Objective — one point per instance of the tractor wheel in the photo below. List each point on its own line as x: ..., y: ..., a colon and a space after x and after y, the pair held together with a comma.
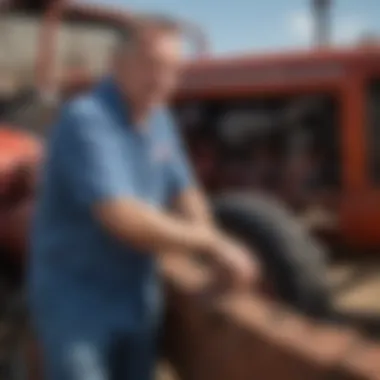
x: 293, y: 262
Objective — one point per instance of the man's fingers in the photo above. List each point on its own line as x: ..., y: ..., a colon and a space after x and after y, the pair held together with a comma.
x: 248, y: 270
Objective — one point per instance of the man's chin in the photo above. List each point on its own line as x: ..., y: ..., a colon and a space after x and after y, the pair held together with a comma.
x: 152, y: 101
x: 155, y: 102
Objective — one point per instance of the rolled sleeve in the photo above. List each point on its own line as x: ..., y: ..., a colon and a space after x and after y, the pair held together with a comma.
x: 91, y: 158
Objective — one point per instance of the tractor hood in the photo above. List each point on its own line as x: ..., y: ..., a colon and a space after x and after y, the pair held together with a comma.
x: 18, y: 150
x: 20, y: 157
x: 17, y: 147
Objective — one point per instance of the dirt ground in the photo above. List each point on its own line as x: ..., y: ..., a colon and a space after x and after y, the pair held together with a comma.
x: 356, y: 290
x: 357, y: 287
x: 165, y: 372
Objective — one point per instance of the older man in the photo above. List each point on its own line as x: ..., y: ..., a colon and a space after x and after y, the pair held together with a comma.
x: 114, y: 165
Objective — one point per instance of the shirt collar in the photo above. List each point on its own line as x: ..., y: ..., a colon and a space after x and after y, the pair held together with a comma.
x: 110, y: 93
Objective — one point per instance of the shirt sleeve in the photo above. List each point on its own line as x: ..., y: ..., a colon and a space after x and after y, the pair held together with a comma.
x: 90, y: 157
x: 181, y: 175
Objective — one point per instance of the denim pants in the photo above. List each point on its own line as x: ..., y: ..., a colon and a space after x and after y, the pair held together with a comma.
x: 89, y: 346
x: 123, y: 357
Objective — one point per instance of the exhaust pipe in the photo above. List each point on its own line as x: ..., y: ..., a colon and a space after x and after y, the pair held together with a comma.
x: 322, y: 22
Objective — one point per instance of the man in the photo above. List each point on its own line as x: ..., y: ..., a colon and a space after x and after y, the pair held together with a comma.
x: 114, y: 165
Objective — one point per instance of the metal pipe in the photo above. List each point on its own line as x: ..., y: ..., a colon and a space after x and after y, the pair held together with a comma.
x: 322, y: 22
x: 44, y: 66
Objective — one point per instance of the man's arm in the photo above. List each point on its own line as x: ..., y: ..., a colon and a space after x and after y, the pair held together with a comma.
x: 149, y: 229
x: 194, y: 206
x: 92, y: 166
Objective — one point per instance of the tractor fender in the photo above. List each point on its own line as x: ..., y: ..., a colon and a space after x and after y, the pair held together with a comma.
x: 292, y: 260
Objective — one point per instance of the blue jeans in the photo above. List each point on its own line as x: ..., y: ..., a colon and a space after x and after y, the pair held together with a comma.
x: 124, y: 357
x: 88, y: 331
x: 88, y: 346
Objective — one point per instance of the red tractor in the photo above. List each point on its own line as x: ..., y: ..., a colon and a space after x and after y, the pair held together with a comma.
x: 274, y: 140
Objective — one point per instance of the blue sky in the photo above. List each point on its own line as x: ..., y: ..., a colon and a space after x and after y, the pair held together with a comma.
x: 257, y: 25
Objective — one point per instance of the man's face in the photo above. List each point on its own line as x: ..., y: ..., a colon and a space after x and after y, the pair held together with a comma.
x: 150, y: 72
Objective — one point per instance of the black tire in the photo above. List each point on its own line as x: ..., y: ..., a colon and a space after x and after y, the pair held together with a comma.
x: 293, y: 261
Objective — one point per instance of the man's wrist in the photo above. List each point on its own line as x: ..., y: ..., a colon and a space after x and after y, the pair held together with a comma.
x: 209, y: 239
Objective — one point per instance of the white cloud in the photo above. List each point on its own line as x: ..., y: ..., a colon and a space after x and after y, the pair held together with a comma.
x: 300, y: 26
x: 345, y: 29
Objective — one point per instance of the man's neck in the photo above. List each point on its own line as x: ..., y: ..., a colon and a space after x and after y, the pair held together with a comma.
x: 138, y: 111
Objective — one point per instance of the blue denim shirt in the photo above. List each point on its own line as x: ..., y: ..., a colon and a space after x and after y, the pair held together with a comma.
x: 77, y: 269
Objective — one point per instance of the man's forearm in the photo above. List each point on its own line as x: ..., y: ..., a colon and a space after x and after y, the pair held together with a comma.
x: 153, y: 230
x: 193, y: 205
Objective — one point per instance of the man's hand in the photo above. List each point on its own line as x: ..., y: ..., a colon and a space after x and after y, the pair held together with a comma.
x: 237, y: 261
x: 233, y: 258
